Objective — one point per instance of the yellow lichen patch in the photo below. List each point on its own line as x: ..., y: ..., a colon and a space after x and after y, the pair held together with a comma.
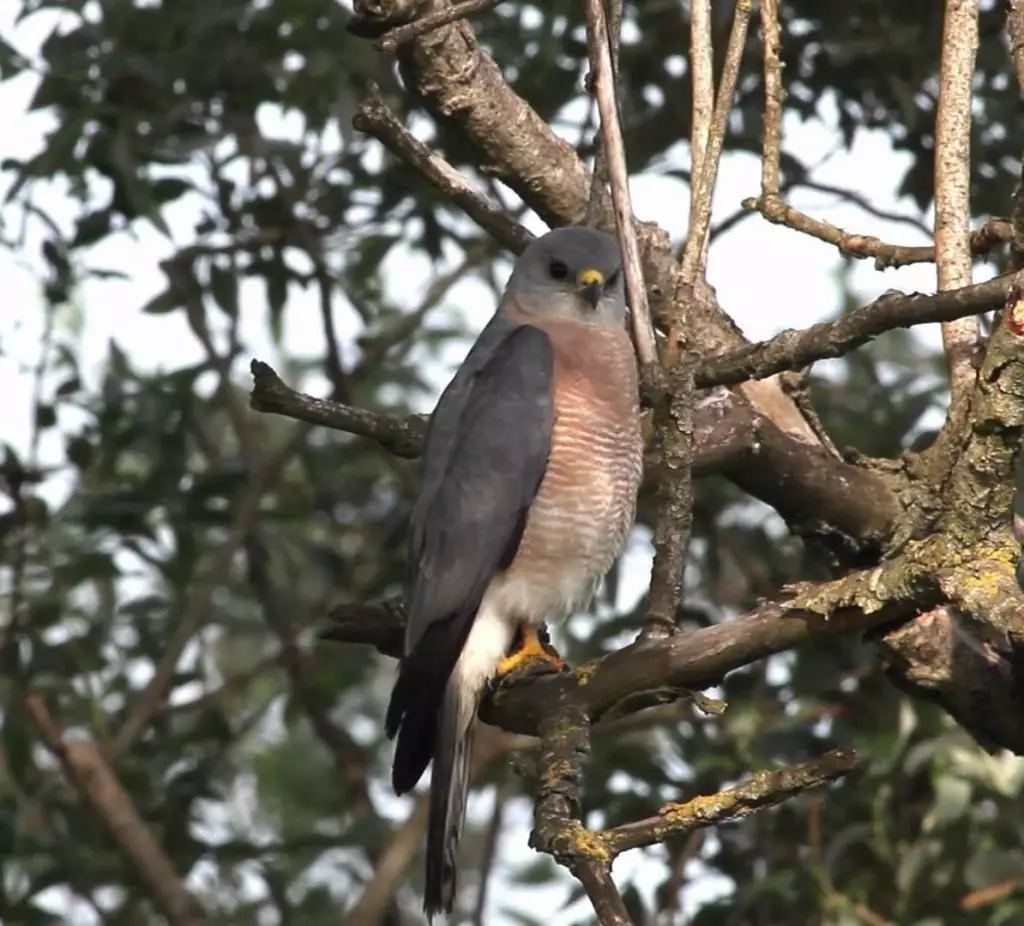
x: 557, y: 771
x: 696, y: 808
x: 582, y: 841
x: 585, y: 673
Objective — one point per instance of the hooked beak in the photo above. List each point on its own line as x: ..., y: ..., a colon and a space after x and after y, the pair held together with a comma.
x: 591, y: 283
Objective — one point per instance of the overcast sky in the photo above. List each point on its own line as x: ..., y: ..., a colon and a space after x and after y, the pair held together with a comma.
x: 767, y: 277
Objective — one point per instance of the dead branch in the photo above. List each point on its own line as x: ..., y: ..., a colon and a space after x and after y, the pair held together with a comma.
x: 713, y: 135
x: 87, y: 771
x: 774, y: 97
x: 599, y: 44
x: 994, y: 232
x: 702, y: 94
x: 953, y: 193
x: 558, y: 830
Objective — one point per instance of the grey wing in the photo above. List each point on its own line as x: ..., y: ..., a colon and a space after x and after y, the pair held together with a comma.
x: 486, y: 452
x: 485, y: 457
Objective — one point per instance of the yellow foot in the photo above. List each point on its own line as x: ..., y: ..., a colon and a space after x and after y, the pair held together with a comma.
x: 531, y: 654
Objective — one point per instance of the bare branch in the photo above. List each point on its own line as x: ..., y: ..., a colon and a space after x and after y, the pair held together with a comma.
x: 90, y: 775
x: 793, y: 350
x: 953, y: 192
x: 376, y: 119
x: 599, y: 45
x: 994, y: 232
x: 674, y: 414
x: 761, y: 790
x: 702, y: 83
x: 402, y: 34
x: 696, y: 250
x: 774, y: 96
x: 402, y: 437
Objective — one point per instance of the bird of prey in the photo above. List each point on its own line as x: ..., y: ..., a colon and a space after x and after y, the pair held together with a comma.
x: 531, y: 467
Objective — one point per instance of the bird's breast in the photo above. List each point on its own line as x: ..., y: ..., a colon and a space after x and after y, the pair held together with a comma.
x: 586, y: 502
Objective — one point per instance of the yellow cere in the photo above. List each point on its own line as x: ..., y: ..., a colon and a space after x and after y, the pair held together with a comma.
x: 589, y: 276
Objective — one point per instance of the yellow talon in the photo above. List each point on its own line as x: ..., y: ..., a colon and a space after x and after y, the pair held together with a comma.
x: 530, y: 651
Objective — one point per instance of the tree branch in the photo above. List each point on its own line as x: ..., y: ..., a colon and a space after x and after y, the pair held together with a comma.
x: 402, y: 34
x: 810, y: 488
x: 953, y: 193
x: 763, y: 789
x: 645, y: 673
x: 374, y: 118
x: 793, y: 350
x: 90, y: 775
x: 599, y: 45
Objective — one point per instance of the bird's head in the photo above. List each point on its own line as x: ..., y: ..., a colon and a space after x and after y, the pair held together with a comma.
x: 573, y: 273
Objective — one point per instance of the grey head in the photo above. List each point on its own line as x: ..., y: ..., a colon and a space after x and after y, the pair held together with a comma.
x: 571, y: 273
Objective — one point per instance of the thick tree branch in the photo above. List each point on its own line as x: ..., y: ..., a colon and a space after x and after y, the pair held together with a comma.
x: 374, y: 118
x: 91, y: 776
x: 810, y: 488
x: 945, y: 656
x: 646, y: 673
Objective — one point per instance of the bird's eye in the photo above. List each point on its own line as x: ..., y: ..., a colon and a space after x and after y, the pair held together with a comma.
x: 614, y: 278
x: 558, y: 270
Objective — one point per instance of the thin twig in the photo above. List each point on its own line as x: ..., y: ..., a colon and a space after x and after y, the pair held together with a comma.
x: 599, y: 180
x: 409, y: 31
x: 994, y: 232
x: 695, y: 252
x: 674, y: 413
x: 90, y: 775
x: 702, y: 93
x: 793, y: 350
x: 774, y: 96
x: 598, y: 44
x: 953, y: 191
x: 761, y: 790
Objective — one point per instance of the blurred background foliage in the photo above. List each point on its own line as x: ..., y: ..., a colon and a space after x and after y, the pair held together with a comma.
x: 193, y: 538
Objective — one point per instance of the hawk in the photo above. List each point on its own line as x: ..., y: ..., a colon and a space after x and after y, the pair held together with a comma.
x: 531, y: 467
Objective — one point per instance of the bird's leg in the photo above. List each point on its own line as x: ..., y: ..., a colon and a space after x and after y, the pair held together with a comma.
x: 531, y: 654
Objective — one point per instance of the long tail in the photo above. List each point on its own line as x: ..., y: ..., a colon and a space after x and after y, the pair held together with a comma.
x: 449, y: 789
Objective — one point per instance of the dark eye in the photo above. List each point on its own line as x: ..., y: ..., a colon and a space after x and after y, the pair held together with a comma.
x: 558, y: 270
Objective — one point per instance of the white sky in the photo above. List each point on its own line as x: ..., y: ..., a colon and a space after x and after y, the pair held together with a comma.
x: 768, y: 277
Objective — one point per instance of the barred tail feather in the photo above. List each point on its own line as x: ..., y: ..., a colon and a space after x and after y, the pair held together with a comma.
x: 449, y: 790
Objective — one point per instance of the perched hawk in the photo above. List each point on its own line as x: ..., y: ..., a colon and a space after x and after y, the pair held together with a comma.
x: 531, y: 468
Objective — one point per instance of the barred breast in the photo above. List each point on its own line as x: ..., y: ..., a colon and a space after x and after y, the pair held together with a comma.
x: 586, y: 503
